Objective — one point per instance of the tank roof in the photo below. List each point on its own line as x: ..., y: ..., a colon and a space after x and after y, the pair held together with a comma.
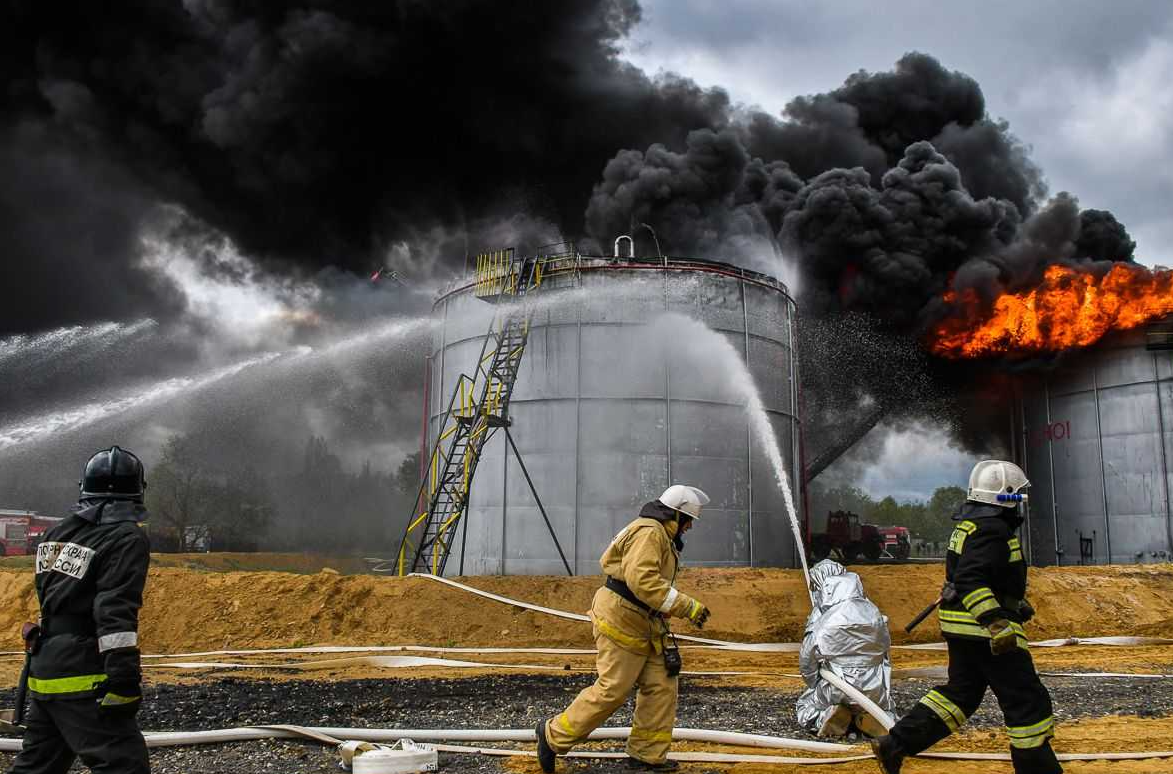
x: 671, y: 263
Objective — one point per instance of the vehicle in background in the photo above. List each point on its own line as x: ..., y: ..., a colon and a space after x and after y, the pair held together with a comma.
x: 897, y: 542
x: 849, y: 537
x: 22, y: 531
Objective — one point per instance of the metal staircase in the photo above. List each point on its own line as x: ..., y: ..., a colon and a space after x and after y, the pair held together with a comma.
x: 478, y: 408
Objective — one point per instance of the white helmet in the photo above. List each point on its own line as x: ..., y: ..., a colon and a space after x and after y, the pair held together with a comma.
x: 998, y: 483
x: 687, y: 499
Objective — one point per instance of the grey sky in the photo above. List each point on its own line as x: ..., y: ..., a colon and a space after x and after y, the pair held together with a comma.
x: 1086, y: 85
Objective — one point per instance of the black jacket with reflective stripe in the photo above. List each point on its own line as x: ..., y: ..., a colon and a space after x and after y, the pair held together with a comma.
x: 90, y: 573
x: 985, y: 565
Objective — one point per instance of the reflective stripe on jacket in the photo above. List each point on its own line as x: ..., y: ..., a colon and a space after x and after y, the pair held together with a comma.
x: 985, y: 565
x: 642, y: 556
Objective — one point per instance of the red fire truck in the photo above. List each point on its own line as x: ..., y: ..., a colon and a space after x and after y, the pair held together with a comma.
x: 897, y: 541
x: 21, y: 531
x: 849, y: 538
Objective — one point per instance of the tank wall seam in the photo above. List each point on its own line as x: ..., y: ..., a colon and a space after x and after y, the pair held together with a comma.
x: 1103, y: 464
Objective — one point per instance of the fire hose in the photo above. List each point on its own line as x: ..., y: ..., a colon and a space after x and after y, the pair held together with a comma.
x: 332, y: 736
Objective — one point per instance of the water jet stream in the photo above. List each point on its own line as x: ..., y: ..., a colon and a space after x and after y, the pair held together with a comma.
x: 730, y: 362
x: 41, y: 427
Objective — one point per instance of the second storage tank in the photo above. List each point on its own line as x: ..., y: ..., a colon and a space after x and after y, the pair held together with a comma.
x: 1096, y: 440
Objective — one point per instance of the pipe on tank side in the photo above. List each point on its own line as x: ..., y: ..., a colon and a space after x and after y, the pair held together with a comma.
x: 1051, y: 463
x: 748, y: 431
x: 1164, y: 457
x: 1103, y: 465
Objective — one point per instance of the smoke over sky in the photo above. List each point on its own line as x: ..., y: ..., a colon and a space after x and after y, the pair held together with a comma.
x: 234, y: 171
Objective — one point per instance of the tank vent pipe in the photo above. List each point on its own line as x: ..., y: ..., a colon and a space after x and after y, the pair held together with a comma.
x: 630, y: 246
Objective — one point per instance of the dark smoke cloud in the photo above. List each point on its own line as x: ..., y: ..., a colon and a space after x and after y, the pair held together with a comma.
x: 871, y: 120
x: 889, y: 251
x: 70, y: 223
x: 1103, y: 238
x: 317, y: 134
x: 885, y: 194
x: 711, y: 200
x: 332, y: 138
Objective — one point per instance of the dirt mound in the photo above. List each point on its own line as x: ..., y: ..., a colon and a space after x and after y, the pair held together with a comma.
x: 196, y: 610
x: 230, y: 561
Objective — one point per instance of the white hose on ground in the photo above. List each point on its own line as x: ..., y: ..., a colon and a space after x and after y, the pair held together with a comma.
x: 416, y: 662
x: 705, y: 757
x: 751, y: 647
x: 177, y: 738
x: 328, y: 735
x: 552, y: 611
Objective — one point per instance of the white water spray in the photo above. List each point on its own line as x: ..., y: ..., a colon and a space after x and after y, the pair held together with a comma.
x: 26, y: 350
x: 40, y: 427
x: 730, y: 363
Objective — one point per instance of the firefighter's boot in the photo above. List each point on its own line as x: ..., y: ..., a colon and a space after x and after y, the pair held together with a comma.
x: 635, y: 764
x: 889, y: 755
x: 869, y: 726
x: 545, y: 752
x: 836, y: 721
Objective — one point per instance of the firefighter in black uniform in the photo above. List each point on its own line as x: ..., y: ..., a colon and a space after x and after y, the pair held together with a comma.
x: 84, y: 674
x: 983, y: 608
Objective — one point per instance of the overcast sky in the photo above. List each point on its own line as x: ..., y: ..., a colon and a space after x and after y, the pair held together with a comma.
x: 1088, y: 85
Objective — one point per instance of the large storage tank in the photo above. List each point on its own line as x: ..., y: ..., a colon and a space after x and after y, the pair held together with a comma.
x: 1096, y: 440
x: 605, y: 417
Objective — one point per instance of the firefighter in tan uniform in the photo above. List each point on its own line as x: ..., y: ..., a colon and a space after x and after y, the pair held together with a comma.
x: 628, y: 614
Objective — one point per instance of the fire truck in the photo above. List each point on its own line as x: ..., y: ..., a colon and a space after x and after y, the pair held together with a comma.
x: 897, y: 541
x: 21, y: 531
x: 848, y: 537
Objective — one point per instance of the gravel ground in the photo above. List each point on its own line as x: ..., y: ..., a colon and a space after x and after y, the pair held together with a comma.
x: 511, y: 701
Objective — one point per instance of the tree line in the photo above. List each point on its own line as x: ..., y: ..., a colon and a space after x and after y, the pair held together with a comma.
x: 197, y: 503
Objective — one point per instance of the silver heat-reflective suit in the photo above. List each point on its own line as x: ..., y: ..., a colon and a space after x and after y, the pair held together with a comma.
x: 846, y: 634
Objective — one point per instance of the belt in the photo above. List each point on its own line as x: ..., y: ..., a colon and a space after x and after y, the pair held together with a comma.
x: 620, y: 588
x: 53, y: 625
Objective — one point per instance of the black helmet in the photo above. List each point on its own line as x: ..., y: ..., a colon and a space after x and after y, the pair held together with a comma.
x: 114, y: 474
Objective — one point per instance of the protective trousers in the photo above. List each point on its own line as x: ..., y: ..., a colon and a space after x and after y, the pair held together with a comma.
x: 1025, y: 703
x: 59, y: 731
x: 619, y: 671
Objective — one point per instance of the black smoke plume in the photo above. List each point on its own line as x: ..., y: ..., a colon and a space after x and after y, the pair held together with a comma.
x: 884, y: 194
x: 315, y: 134
x: 329, y: 138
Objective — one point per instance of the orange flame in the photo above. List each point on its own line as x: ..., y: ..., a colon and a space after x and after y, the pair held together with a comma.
x: 1071, y: 308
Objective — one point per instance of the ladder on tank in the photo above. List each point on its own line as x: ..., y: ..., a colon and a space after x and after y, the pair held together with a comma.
x: 478, y: 408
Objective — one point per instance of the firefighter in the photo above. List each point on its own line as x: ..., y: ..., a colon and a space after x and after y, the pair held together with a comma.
x: 628, y: 615
x: 983, y: 608
x: 846, y: 634
x: 84, y: 674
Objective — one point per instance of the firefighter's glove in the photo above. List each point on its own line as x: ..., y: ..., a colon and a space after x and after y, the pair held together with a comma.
x: 120, y: 698
x: 698, y: 614
x: 1025, y: 611
x: 1002, y: 637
